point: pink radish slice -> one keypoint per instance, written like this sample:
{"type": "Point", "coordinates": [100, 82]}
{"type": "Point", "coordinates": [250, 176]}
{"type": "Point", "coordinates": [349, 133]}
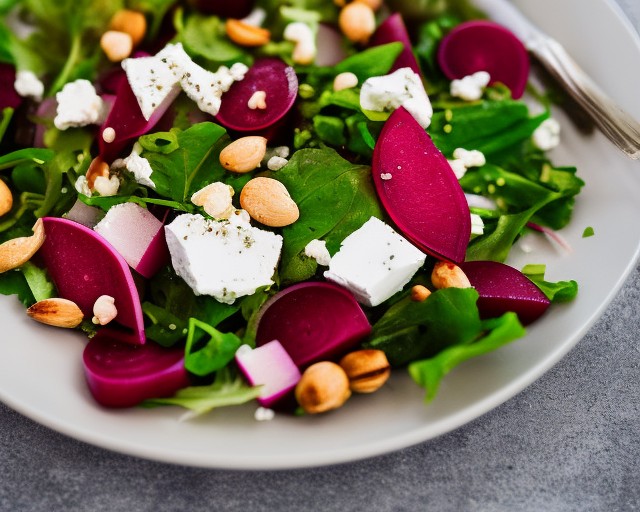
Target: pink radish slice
{"type": "Point", "coordinates": [225, 8]}
{"type": "Point", "coordinates": [84, 266]}
{"type": "Point", "coordinates": [272, 76]}
{"type": "Point", "coordinates": [503, 288]}
{"type": "Point", "coordinates": [485, 46]}
{"type": "Point", "coordinates": [9, 98]}
{"type": "Point", "coordinates": [271, 367]}
{"type": "Point", "coordinates": [123, 375]}
{"type": "Point", "coordinates": [419, 190]}
{"type": "Point", "coordinates": [391, 30]}
{"type": "Point", "coordinates": [331, 51]}
{"type": "Point", "coordinates": [313, 321]}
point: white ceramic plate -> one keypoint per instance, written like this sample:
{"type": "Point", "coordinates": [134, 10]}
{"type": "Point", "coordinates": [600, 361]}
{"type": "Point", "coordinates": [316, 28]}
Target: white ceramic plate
{"type": "Point", "coordinates": [41, 373]}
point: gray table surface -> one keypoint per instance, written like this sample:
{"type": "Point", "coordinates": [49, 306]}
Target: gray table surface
{"type": "Point", "coordinates": [576, 449]}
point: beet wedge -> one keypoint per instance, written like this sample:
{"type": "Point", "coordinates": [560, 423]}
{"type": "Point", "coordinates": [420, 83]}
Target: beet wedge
{"type": "Point", "coordinates": [313, 321]}
{"type": "Point", "coordinates": [419, 190]}
{"type": "Point", "coordinates": [503, 288]}
{"type": "Point", "coordinates": [391, 30]}
{"type": "Point", "coordinates": [84, 266]}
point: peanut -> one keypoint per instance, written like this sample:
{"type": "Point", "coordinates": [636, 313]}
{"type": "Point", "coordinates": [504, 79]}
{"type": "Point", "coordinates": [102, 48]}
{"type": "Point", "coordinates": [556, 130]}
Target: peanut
{"type": "Point", "coordinates": [357, 22]}
{"type": "Point", "coordinates": [323, 386]}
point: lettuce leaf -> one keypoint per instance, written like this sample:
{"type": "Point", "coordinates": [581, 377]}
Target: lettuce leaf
{"type": "Point", "coordinates": [559, 291]}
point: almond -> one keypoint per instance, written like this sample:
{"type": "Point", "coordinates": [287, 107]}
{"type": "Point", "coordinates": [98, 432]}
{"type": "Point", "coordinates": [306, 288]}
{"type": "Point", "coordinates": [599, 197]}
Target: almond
{"type": "Point", "coordinates": [245, 34]}
{"type": "Point", "coordinates": [131, 22]}
{"type": "Point", "coordinates": [116, 45]}
{"type": "Point", "coordinates": [268, 201]}
{"type": "Point", "coordinates": [244, 154]}
{"type": "Point", "coordinates": [57, 312]}
{"type": "Point", "coordinates": [6, 199]}
{"type": "Point", "coordinates": [448, 275]}
{"type": "Point", "coordinates": [97, 167]}
{"type": "Point", "coordinates": [16, 252]}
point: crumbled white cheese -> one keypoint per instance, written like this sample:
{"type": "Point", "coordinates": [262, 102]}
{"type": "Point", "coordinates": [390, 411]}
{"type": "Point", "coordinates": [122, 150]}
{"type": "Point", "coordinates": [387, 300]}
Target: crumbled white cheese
{"type": "Point", "coordinates": [225, 259]}
{"type": "Point", "coordinates": [402, 88]}
{"type": "Point", "coordinates": [305, 49]}
{"type": "Point", "coordinates": [547, 135]}
{"type": "Point", "coordinates": [478, 201]}
{"type": "Point", "coordinates": [465, 159]}
{"type": "Point", "coordinates": [256, 17]}
{"type": "Point", "coordinates": [137, 165]}
{"type": "Point", "coordinates": [477, 224]}
{"type": "Point", "coordinates": [104, 310]}
{"type": "Point", "coordinates": [215, 199]}
{"type": "Point", "coordinates": [471, 87]}
{"type": "Point", "coordinates": [82, 186]}
{"type": "Point", "coordinates": [317, 249]}
{"type": "Point", "coordinates": [458, 167]}
{"type": "Point", "coordinates": [346, 80]}
{"type": "Point", "coordinates": [386, 176]}
{"type": "Point", "coordinates": [275, 163]}
{"type": "Point", "coordinates": [28, 85]}
{"type": "Point", "coordinates": [106, 186]}
{"type": "Point", "coordinates": [79, 105]}
{"type": "Point", "coordinates": [374, 262]}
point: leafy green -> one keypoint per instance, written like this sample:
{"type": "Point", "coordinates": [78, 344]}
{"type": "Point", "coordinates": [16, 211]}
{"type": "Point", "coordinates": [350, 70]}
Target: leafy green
{"type": "Point", "coordinates": [227, 389]}
{"type": "Point", "coordinates": [39, 282]}
{"type": "Point", "coordinates": [14, 282]}
{"type": "Point", "coordinates": [335, 197]}
{"type": "Point", "coordinates": [5, 119]}
{"type": "Point", "coordinates": [499, 331]}
{"type": "Point", "coordinates": [35, 155]}
{"type": "Point", "coordinates": [588, 231]}
{"type": "Point", "coordinates": [374, 61]}
{"type": "Point", "coordinates": [204, 359]}
{"type": "Point", "coordinates": [560, 291]}
{"type": "Point", "coordinates": [154, 10]}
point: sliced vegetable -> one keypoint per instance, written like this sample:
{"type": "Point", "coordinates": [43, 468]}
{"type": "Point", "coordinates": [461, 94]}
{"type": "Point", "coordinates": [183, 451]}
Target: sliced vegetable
{"type": "Point", "coordinates": [313, 321]}
{"type": "Point", "coordinates": [481, 45]}
{"type": "Point", "coordinates": [84, 266]}
{"type": "Point", "coordinates": [394, 29]}
{"type": "Point", "coordinates": [419, 190]}
{"type": "Point", "coordinates": [8, 95]}
{"type": "Point", "coordinates": [123, 375]}
{"type": "Point", "coordinates": [503, 288]}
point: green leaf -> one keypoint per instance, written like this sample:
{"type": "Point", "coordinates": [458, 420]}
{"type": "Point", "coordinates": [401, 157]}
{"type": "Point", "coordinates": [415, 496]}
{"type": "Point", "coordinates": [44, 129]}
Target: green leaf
{"type": "Point", "coordinates": [13, 282]}
{"type": "Point", "coordinates": [205, 36]}
{"type": "Point", "coordinates": [227, 389]}
{"type": "Point", "coordinates": [39, 282]}
{"type": "Point", "coordinates": [35, 155]}
{"type": "Point", "coordinates": [215, 354]}
{"type": "Point", "coordinates": [334, 196]}
{"type": "Point", "coordinates": [410, 330]}
{"type": "Point", "coordinates": [588, 231]}
{"type": "Point", "coordinates": [375, 61]}
{"type": "Point", "coordinates": [428, 373]}
{"type": "Point", "coordinates": [556, 292]}
{"type": "Point", "coordinates": [5, 120]}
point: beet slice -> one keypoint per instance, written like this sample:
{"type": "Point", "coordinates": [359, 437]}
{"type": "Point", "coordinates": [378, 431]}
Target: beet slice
{"type": "Point", "coordinates": [481, 45]}
{"type": "Point", "coordinates": [83, 266]}
{"type": "Point", "coordinates": [391, 30]}
{"type": "Point", "coordinates": [503, 288]}
{"type": "Point", "coordinates": [418, 189]}
{"type": "Point", "coordinates": [123, 375]}
{"type": "Point", "coordinates": [313, 321]}
{"type": "Point", "coordinates": [271, 75]}
{"type": "Point", "coordinates": [9, 98]}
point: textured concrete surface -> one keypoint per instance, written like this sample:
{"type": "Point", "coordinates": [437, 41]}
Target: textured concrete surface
{"type": "Point", "coordinates": [576, 449]}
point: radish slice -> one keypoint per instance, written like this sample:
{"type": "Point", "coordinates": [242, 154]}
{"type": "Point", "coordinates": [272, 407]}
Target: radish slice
{"type": "Point", "coordinates": [272, 76]}
{"type": "Point", "coordinates": [419, 190]}
{"type": "Point", "coordinates": [485, 46]}
{"type": "Point", "coordinates": [313, 321]}
{"type": "Point", "coordinates": [123, 375]}
{"type": "Point", "coordinates": [225, 8]}
{"type": "Point", "coordinates": [271, 367]}
{"type": "Point", "coordinates": [391, 30]}
{"type": "Point", "coordinates": [503, 288]}
{"type": "Point", "coordinates": [83, 266]}
{"type": "Point", "coordinates": [9, 98]}
{"type": "Point", "coordinates": [137, 235]}
{"type": "Point", "coordinates": [331, 51]}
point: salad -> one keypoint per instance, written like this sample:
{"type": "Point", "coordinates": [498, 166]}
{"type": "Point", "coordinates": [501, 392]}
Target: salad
{"type": "Point", "coordinates": [278, 201]}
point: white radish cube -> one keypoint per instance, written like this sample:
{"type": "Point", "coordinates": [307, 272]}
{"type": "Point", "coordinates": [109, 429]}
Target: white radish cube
{"type": "Point", "coordinates": [271, 367]}
{"type": "Point", "coordinates": [130, 229]}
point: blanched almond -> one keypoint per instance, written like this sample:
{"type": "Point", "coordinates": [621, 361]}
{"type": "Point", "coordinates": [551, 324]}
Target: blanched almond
{"type": "Point", "coordinates": [268, 201]}
{"type": "Point", "coordinates": [244, 154]}
{"type": "Point", "coordinates": [357, 22]}
{"type": "Point", "coordinates": [57, 312]}
{"type": "Point", "coordinates": [132, 22]}
{"type": "Point", "coordinates": [16, 252]}
{"type": "Point", "coordinates": [6, 199]}
{"type": "Point", "coordinates": [448, 275]}
{"type": "Point", "coordinates": [245, 34]}
{"type": "Point", "coordinates": [116, 45]}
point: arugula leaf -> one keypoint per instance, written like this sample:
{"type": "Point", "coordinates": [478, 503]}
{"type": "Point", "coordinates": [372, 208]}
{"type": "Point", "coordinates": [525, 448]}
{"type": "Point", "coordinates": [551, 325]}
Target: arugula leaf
{"type": "Point", "coordinates": [410, 330]}
{"type": "Point", "coordinates": [5, 120]}
{"type": "Point", "coordinates": [374, 61]}
{"type": "Point", "coordinates": [227, 389]}
{"type": "Point", "coordinates": [35, 155]}
{"type": "Point", "coordinates": [428, 373]}
{"type": "Point", "coordinates": [215, 354]}
{"type": "Point", "coordinates": [205, 36]}
{"type": "Point", "coordinates": [39, 282]}
{"type": "Point", "coordinates": [13, 282]}
{"type": "Point", "coordinates": [335, 197]}
{"type": "Point", "coordinates": [560, 291]}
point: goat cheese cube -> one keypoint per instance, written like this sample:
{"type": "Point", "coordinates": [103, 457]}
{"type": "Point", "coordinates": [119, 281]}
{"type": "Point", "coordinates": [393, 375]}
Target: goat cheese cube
{"type": "Point", "coordinates": [470, 87]}
{"type": "Point", "coordinates": [402, 88]}
{"type": "Point", "coordinates": [226, 259]}
{"type": "Point", "coordinates": [28, 85]}
{"type": "Point", "coordinates": [374, 262]}
{"type": "Point", "coordinates": [79, 105]}
{"type": "Point", "coordinates": [152, 82]}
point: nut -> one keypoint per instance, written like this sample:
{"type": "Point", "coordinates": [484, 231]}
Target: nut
{"type": "Point", "coordinates": [16, 252]}
{"type": "Point", "coordinates": [6, 199]}
{"type": "Point", "coordinates": [345, 80]}
{"type": "Point", "coordinates": [116, 45]}
{"type": "Point", "coordinates": [131, 22]}
{"type": "Point", "coordinates": [305, 49]}
{"type": "Point", "coordinates": [244, 154]}
{"type": "Point", "coordinates": [97, 167]}
{"type": "Point", "coordinates": [104, 310]}
{"type": "Point", "coordinates": [258, 100]}
{"type": "Point", "coordinates": [323, 386]}
{"type": "Point", "coordinates": [215, 199]}
{"type": "Point", "coordinates": [268, 201]}
{"type": "Point", "coordinates": [367, 370]}
{"type": "Point", "coordinates": [448, 275]}
{"type": "Point", "coordinates": [57, 312]}
{"type": "Point", "coordinates": [245, 34]}
{"type": "Point", "coordinates": [420, 293]}
{"type": "Point", "coordinates": [357, 22]}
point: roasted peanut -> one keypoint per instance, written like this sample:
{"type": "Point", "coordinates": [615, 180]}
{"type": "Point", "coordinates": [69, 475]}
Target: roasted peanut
{"type": "Point", "coordinates": [366, 369]}
{"type": "Point", "coordinates": [131, 22]}
{"type": "Point", "coordinates": [245, 34]}
{"type": "Point", "coordinates": [323, 386]}
{"type": "Point", "coordinates": [420, 293]}
{"type": "Point", "coordinates": [357, 22]}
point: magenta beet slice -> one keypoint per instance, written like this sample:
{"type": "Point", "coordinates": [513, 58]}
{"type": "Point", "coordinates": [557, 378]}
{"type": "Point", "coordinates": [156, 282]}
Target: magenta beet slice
{"type": "Point", "coordinates": [313, 321]}
{"type": "Point", "coordinates": [503, 288]}
{"type": "Point", "coordinates": [123, 375]}
{"type": "Point", "coordinates": [9, 98]}
{"type": "Point", "coordinates": [84, 266]}
{"type": "Point", "coordinates": [274, 77]}
{"type": "Point", "coordinates": [485, 46]}
{"type": "Point", "coordinates": [419, 190]}
{"type": "Point", "coordinates": [391, 30]}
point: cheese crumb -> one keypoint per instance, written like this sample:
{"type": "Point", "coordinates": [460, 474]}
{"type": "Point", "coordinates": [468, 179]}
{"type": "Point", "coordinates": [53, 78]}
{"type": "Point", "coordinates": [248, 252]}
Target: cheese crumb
{"type": "Point", "coordinates": [137, 165]}
{"type": "Point", "coordinates": [317, 249]}
{"type": "Point", "coordinates": [258, 101]}
{"type": "Point", "coordinates": [79, 105]}
{"type": "Point", "coordinates": [547, 135]}
{"type": "Point", "coordinates": [471, 87]}
{"type": "Point", "coordinates": [276, 163]}
{"type": "Point", "coordinates": [108, 135]}
{"type": "Point", "coordinates": [106, 186]}
{"type": "Point", "coordinates": [28, 85]}
{"type": "Point", "coordinates": [386, 176]}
